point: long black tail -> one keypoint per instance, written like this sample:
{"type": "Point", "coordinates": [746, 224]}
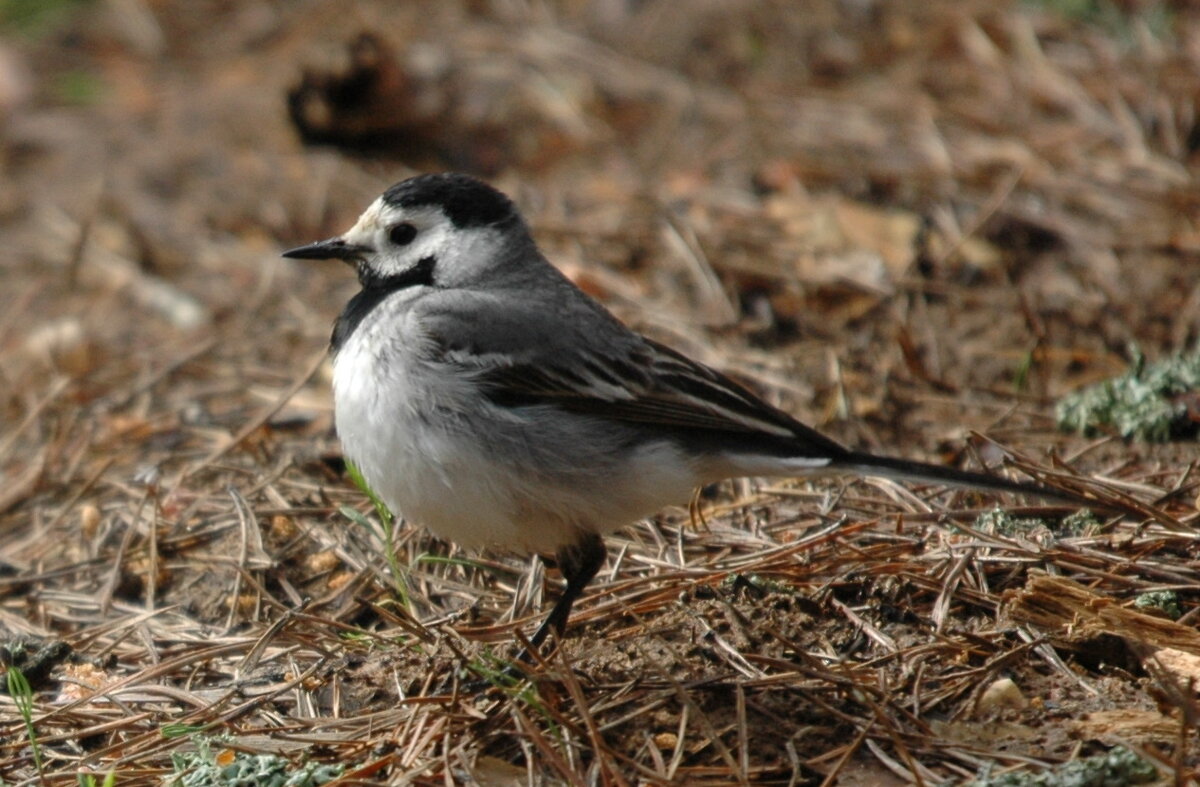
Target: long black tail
{"type": "Point", "coordinates": [893, 467]}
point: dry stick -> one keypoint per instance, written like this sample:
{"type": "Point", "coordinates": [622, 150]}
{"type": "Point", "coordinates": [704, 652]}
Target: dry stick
{"type": "Point", "coordinates": [262, 699]}
{"type": "Point", "coordinates": [867, 628]}
{"type": "Point", "coordinates": [243, 514]}
{"type": "Point", "coordinates": [680, 237]}
{"type": "Point", "coordinates": [166, 369]}
{"type": "Point", "coordinates": [158, 670]}
{"type": "Point", "coordinates": [447, 747]}
{"type": "Point", "coordinates": [407, 776]}
{"type": "Point", "coordinates": [918, 683]}
{"type": "Point", "coordinates": [250, 661]}
{"type": "Point", "coordinates": [603, 752]}
{"type": "Point", "coordinates": [258, 420]}
{"type": "Point", "coordinates": [416, 720]}
{"type": "Point", "coordinates": [110, 585]}
{"type": "Point", "coordinates": [910, 774]}
{"type": "Point", "coordinates": [314, 621]}
{"type": "Point", "coordinates": [842, 679]}
{"type": "Point", "coordinates": [56, 388]}
{"type": "Point", "coordinates": [359, 775]}
{"type": "Point", "coordinates": [576, 691]}
{"type": "Point", "coordinates": [1106, 495]}
{"type": "Point", "coordinates": [851, 748]}
{"type": "Point", "coordinates": [170, 692]}
{"type": "Point", "coordinates": [871, 694]}
{"type": "Point", "coordinates": [548, 752]}
{"type": "Point", "coordinates": [1180, 482]}
{"type": "Point", "coordinates": [83, 639]}
{"type": "Point", "coordinates": [794, 758]}
{"type": "Point", "coordinates": [1061, 559]}
{"type": "Point", "coordinates": [152, 561]}
{"type": "Point", "coordinates": [694, 574]}
{"type": "Point", "coordinates": [941, 607]}
{"type": "Point", "coordinates": [258, 587]}
{"type": "Point", "coordinates": [1047, 652]}
{"type": "Point", "coordinates": [409, 624]}
{"type": "Point", "coordinates": [994, 202]}
{"type": "Point", "coordinates": [980, 683]}
{"type": "Point", "coordinates": [21, 486]}
{"type": "Point", "coordinates": [897, 740]}
{"type": "Point", "coordinates": [76, 734]}
{"type": "Point", "coordinates": [685, 699]}
{"type": "Point", "coordinates": [728, 653]}
{"type": "Point", "coordinates": [16, 309]}
{"type": "Point", "coordinates": [656, 760]}
{"type": "Point", "coordinates": [79, 245]}
{"type": "Point", "coordinates": [146, 743]}
{"type": "Point", "coordinates": [680, 748]}
{"type": "Point", "coordinates": [743, 732]}
{"type": "Point", "coordinates": [623, 694]}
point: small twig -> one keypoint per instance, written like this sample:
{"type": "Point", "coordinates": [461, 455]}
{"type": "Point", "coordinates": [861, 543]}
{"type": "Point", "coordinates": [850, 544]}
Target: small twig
{"type": "Point", "coordinates": [599, 746]}
{"type": "Point", "coordinates": [941, 607]}
{"type": "Point", "coordinates": [84, 232]}
{"type": "Point", "coordinates": [57, 387]}
{"type": "Point", "coordinates": [118, 563]}
{"type": "Point", "coordinates": [831, 778]}
{"type": "Point", "coordinates": [259, 419]}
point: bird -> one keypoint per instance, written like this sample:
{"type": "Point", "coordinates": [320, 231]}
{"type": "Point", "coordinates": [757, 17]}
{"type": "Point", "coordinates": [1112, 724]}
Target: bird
{"type": "Point", "coordinates": [481, 394]}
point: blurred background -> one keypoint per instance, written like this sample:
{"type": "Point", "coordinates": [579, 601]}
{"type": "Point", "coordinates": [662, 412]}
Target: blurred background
{"type": "Point", "coordinates": [898, 220]}
{"type": "Point", "coordinates": [955, 194]}
{"type": "Point", "coordinates": [905, 222]}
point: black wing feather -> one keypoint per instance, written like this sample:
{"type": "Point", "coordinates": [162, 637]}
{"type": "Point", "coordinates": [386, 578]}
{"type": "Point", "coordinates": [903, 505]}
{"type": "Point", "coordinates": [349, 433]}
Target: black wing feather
{"type": "Point", "coordinates": [656, 386]}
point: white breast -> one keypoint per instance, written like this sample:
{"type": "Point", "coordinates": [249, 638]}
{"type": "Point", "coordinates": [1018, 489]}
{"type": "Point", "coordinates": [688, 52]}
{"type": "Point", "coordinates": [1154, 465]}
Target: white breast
{"type": "Point", "coordinates": [439, 455]}
{"type": "Point", "coordinates": [386, 400]}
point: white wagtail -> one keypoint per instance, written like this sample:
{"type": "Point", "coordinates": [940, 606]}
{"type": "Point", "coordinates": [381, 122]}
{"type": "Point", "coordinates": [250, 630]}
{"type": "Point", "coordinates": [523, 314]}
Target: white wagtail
{"type": "Point", "coordinates": [483, 395]}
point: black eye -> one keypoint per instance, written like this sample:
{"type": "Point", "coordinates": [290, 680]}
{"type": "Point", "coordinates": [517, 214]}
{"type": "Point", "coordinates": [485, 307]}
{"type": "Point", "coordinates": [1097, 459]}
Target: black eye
{"type": "Point", "coordinates": [402, 234]}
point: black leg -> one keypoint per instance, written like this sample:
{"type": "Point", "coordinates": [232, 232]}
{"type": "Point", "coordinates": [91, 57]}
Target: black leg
{"type": "Point", "coordinates": [578, 563]}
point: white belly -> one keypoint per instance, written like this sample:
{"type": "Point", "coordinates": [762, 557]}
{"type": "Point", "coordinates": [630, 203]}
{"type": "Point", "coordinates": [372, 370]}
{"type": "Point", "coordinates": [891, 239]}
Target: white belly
{"type": "Point", "coordinates": [440, 457]}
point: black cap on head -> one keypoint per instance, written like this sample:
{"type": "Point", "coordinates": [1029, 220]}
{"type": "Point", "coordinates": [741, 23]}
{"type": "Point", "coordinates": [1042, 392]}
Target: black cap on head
{"type": "Point", "coordinates": [467, 202]}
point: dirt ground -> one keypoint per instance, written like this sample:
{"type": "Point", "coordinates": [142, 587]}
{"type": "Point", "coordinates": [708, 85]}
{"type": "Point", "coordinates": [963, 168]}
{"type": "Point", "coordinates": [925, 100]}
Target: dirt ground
{"type": "Point", "coordinates": [914, 225]}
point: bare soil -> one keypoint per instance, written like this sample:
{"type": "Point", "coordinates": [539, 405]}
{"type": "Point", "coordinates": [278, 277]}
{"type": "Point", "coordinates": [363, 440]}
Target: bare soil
{"type": "Point", "coordinates": [913, 225]}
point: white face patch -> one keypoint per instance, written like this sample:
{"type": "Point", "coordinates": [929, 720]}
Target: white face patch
{"type": "Point", "coordinates": [435, 237]}
{"type": "Point", "coordinates": [459, 254]}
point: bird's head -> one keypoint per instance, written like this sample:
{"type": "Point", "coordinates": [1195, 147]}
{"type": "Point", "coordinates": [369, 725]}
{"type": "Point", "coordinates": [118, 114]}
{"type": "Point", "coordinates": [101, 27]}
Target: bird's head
{"type": "Point", "coordinates": [436, 230]}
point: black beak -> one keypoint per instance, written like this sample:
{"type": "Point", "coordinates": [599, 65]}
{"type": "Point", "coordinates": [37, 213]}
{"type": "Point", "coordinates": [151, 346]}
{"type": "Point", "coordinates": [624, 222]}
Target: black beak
{"type": "Point", "coordinates": [331, 249]}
